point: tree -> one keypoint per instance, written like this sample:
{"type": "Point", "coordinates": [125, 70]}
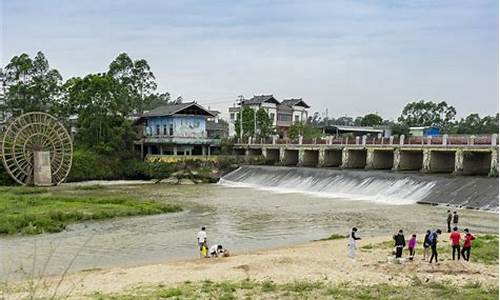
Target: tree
{"type": "Point", "coordinates": [247, 123]}
{"type": "Point", "coordinates": [136, 79]}
{"type": "Point", "coordinates": [371, 120]}
{"type": "Point", "coordinates": [474, 124]}
{"type": "Point", "coordinates": [96, 100]}
{"type": "Point", "coordinates": [264, 125]}
{"type": "Point", "coordinates": [422, 113]}
{"type": "Point", "coordinates": [30, 84]}
{"type": "Point", "coordinates": [303, 129]}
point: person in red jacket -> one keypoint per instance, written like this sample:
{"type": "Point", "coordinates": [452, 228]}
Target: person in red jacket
{"type": "Point", "coordinates": [467, 244]}
{"type": "Point", "coordinates": [455, 238]}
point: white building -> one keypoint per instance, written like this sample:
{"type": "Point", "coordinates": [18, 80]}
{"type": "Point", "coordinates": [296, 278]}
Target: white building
{"type": "Point", "coordinates": [282, 114]}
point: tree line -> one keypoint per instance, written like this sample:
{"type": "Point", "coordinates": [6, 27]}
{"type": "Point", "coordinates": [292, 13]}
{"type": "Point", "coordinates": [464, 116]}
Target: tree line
{"type": "Point", "coordinates": [417, 114]}
{"type": "Point", "coordinates": [102, 102]}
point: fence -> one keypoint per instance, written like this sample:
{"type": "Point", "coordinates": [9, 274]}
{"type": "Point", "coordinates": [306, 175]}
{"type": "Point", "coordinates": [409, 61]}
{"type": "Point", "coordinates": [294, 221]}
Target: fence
{"type": "Point", "coordinates": [483, 140]}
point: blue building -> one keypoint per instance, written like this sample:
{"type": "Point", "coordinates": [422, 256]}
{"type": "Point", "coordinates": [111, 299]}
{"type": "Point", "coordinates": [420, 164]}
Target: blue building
{"type": "Point", "coordinates": [425, 131]}
{"type": "Point", "coordinates": [175, 129]}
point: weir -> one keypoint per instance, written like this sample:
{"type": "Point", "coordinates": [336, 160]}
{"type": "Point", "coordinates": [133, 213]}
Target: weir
{"type": "Point", "coordinates": [376, 186]}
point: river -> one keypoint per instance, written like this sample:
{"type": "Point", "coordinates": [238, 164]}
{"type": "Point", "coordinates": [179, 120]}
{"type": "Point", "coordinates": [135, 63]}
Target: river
{"type": "Point", "coordinates": [240, 218]}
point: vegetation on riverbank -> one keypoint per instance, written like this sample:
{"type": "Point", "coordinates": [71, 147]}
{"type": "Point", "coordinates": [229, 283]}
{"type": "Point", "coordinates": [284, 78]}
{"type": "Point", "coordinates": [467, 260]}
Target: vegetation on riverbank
{"type": "Point", "coordinates": [37, 210]}
{"type": "Point", "coordinates": [249, 289]}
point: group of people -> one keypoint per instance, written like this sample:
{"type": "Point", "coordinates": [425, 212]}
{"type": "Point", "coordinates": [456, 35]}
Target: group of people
{"type": "Point", "coordinates": [430, 242]}
{"type": "Point", "coordinates": [215, 250]}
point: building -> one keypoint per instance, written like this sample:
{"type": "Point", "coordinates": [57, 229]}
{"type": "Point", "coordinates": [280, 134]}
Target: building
{"type": "Point", "coordinates": [282, 114]}
{"type": "Point", "coordinates": [425, 131]}
{"type": "Point", "coordinates": [175, 129]}
{"type": "Point", "coordinates": [217, 128]}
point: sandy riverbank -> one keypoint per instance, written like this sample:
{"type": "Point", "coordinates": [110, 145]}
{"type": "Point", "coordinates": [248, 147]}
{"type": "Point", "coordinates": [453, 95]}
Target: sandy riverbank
{"type": "Point", "coordinates": [323, 260]}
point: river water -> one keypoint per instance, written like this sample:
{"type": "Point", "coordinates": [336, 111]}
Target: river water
{"type": "Point", "coordinates": [240, 218]}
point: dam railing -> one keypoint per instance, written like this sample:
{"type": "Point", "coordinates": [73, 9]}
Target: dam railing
{"type": "Point", "coordinates": [467, 140]}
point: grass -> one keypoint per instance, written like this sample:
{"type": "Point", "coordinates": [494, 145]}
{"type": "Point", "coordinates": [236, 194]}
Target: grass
{"type": "Point", "coordinates": [28, 210]}
{"type": "Point", "coordinates": [334, 237]}
{"type": "Point", "coordinates": [250, 289]}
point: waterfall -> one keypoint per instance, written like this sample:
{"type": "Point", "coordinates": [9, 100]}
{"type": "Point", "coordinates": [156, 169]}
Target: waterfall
{"type": "Point", "coordinates": [381, 187]}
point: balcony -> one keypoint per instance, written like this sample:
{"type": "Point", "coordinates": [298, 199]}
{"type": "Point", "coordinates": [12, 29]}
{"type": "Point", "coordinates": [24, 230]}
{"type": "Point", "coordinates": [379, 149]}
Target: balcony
{"type": "Point", "coordinates": [201, 139]}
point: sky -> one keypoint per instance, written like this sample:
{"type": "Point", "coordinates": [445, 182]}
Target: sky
{"type": "Point", "coordinates": [347, 57]}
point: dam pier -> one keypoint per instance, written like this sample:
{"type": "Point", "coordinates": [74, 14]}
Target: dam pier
{"type": "Point", "coordinates": [427, 155]}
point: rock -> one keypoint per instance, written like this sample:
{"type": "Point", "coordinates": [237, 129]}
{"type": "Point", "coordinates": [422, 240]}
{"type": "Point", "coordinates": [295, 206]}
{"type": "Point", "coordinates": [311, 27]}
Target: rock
{"type": "Point", "coordinates": [194, 173]}
{"type": "Point", "coordinates": [198, 181]}
{"type": "Point", "coordinates": [186, 181]}
{"type": "Point", "coordinates": [170, 180]}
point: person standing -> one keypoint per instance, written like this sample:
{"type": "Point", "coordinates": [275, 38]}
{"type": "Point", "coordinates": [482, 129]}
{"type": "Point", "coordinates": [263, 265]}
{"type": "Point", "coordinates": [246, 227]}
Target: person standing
{"type": "Point", "coordinates": [434, 241]}
{"type": "Point", "coordinates": [352, 243]}
{"type": "Point", "coordinates": [455, 238]}
{"type": "Point", "coordinates": [412, 243]}
{"type": "Point", "coordinates": [467, 244]}
{"type": "Point", "coordinates": [399, 243]}
{"type": "Point", "coordinates": [455, 219]}
{"type": "Point", "coordinates": [427, 244]}
{"type": "Point", "coordinates": [448, 220]}
{"type": "Point", "coordinates": [201, 238]}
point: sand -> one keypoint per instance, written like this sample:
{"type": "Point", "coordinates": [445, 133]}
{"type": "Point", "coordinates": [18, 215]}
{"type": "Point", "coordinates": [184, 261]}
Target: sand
{"type": "Point", "coordinates": [322, 260]}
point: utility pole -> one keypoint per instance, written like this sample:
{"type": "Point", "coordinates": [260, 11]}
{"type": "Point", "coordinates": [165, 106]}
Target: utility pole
{"type": "Point", "coordinates": [240, 102]}
{"type": "Point", "coordinates": [255, 123]}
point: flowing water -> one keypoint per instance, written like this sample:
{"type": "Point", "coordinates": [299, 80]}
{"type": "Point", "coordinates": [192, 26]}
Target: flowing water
{"type": "Point", "coordinates": [252, 208]}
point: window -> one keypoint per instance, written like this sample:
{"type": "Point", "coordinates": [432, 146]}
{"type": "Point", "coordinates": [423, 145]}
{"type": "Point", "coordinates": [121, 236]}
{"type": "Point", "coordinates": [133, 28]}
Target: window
{"type": "Point", "coordinates": [284, 118]}
{"type": "Point", "coordinates": [271, 117]}
{"type": "Point", "coordinates": [171, 129]}
{"type": "Point", "coordinates": [157, 129]}
{"type": "Point", "coordinates": [165, 129]}
{"type": "Point", "coordinates": [296, 118]}
{"type": "Point", "coordinates": [231, 116]}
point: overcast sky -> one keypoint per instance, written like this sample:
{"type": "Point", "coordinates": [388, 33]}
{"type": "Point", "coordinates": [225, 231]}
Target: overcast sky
{"type": "Point", "coordinates": [352, 57]}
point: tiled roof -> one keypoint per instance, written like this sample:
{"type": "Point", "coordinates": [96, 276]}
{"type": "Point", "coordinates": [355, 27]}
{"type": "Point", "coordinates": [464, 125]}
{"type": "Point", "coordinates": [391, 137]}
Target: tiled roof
{"type": "Point", "coordinates": [172, 109]}
{"type": "Point", "coordinates": [292, 102]}
{"type": "Point", "coordinates": [261, 99]}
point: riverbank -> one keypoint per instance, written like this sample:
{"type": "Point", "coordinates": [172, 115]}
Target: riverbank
{"type": "Point", "coordinates": [315, 268]}
{"type": "Point", "coordinates": [29, 210]}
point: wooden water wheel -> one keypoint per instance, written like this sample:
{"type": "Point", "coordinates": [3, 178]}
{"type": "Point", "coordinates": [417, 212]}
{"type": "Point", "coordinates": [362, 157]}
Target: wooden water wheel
{"type": "Point", "coordinates": [31, 132]}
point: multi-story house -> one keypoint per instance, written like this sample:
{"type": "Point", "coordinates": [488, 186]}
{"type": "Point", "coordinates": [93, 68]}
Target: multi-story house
{"type": "Point", "coordinates": [175, 129]}
{"type": "Point", "coordinates": [282, 114]}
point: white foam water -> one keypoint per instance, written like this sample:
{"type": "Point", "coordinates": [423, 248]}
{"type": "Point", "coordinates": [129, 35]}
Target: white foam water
{"type": "Point", "coordinates": [380, 187]}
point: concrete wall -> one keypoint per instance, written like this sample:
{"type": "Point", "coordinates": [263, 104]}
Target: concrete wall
{"type": "Point", "coordinates": [408, 160]}
{"type": "Point", "coordinates": [254, 152]}
{"type": "Point", "coordinates": [473, 163]}
{"type": "Point", "coordinates": [309, 158]}
{"type": "Point", "coordinates": [437, 161]}
{"type": "Point", "coordinates": [290, 157]}
{"type": "Point", "coordinates": [271, 155]}
{"type": "Point", "coordinates": [353, 158]}
{"type": "Point", "coordinates": [332, 158]}
{"type": "Point", "coordinates": [380, 159]}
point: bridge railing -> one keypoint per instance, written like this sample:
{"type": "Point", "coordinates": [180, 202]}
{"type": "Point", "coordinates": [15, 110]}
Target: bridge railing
{"type": "Point", "coordinates": [444, 140]}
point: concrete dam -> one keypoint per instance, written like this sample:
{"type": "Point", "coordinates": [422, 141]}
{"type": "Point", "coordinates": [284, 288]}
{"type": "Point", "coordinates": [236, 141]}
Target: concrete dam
{"type": "Point", "coordinates": [377, 186]}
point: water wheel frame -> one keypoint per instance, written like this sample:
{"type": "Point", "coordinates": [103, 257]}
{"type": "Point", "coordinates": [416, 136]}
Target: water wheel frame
{"type": "Point", "coordinates": [36, 131]}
